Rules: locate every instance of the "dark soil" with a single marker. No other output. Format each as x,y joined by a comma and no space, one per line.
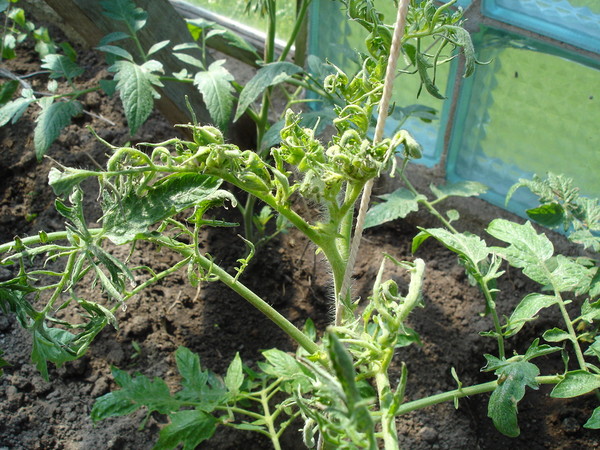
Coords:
216,323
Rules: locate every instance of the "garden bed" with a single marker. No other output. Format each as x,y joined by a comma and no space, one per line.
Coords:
215,323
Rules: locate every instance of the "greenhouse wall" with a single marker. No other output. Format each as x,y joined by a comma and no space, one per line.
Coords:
532,109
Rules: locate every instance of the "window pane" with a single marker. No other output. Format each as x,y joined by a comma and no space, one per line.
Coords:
533,109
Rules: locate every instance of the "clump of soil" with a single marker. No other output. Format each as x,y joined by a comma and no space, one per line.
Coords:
216,323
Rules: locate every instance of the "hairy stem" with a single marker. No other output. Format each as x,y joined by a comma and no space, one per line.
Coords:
345,290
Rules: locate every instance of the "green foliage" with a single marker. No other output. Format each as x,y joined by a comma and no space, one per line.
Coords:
125,11
396,205
53,117
136,86
338,385
562,206
403,201
61,66
215,86
576,383
268,75
513,378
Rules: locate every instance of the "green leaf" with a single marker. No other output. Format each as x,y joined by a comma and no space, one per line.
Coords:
462,38
344,369
63,182
535,350
471,248
309,119
556,335
528,250
51,344
135,84
550,215
268,75
199,386
396,205
460,189
575,383
157,47
7,90
231,39
109,287
453,215
189,59
108,86
568,274
135,393
125,11
111,405
586,238
172,194
61,66
190,428
502,408
113,37
13,110
215,86
53,118
117,51
594,348
235,376
526,311
422,67
594,421
280,364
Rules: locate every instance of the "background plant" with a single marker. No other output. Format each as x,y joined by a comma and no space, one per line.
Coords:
339,385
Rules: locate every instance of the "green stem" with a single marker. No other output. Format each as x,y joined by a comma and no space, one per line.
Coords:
61,284
427,203
388,422
491,304
346,224
138,44
571,330
49,237
210,267
481,279
463,392
300,16
157,277
269,422
271,31
248,216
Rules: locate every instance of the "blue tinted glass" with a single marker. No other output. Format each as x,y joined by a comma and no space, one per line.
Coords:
533,109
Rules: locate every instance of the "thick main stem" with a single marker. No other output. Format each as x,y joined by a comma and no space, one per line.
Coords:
345,290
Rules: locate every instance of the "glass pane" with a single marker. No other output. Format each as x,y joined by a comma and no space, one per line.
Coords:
574,21
236,10
533,109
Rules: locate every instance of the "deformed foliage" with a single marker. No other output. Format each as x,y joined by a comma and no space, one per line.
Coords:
338,383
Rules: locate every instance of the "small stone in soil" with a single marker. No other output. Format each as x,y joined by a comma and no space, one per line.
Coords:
428,434
570,425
